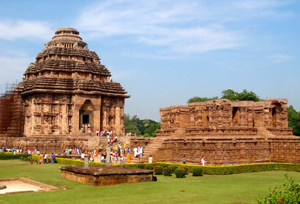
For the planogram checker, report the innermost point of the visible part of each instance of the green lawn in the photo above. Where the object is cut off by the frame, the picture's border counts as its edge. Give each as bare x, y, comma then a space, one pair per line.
239, 188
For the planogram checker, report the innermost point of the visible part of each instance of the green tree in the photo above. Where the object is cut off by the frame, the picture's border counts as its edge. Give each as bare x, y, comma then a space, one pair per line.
231, 95
199, 99
294, 120
145, 127
243, 96
151, 130
131, 124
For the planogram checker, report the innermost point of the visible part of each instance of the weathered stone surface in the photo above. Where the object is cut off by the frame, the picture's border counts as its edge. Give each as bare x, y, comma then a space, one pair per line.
63, 89
99, 176
224, 132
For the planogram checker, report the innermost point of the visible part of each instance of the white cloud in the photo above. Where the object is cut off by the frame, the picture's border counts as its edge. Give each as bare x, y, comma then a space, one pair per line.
280, 58
180, 26
13, 68
31, 30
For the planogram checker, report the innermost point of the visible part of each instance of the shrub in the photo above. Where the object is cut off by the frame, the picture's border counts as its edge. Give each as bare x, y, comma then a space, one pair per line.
158, 170
36, 158
180, 173
141, 165
9, 155
131, 165
185, 168
167, 171
288, 193
148, 166
173, 167
69, 162
26, 158
197, 171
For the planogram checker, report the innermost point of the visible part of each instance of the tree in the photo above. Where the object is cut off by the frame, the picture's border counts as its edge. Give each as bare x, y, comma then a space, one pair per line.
243, 96
145, 127
231, 95
199, 99
294, 120
131, 124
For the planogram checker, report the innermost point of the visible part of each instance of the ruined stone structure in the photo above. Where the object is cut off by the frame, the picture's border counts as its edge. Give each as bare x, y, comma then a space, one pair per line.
224, 132
105, 175
67, 87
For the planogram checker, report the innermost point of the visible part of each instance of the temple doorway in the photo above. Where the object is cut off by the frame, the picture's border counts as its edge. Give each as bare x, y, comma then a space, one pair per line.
235, 116
85, 119
86, 115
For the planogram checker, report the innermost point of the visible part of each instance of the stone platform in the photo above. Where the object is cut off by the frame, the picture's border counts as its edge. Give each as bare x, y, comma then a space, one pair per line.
103, 175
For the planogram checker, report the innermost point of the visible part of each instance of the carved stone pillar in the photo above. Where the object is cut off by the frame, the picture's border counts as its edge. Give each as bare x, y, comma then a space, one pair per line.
118, 125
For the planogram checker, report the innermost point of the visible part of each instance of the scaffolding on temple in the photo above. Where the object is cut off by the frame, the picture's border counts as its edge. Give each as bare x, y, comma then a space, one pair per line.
10, 112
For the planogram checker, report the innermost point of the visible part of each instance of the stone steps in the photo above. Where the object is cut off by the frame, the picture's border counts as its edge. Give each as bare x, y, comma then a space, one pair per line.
150, 149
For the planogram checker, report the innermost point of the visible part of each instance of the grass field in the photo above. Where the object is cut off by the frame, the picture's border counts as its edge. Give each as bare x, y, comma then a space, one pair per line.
239, 188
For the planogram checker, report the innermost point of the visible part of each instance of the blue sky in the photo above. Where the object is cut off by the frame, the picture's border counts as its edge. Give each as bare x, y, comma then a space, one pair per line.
165, 52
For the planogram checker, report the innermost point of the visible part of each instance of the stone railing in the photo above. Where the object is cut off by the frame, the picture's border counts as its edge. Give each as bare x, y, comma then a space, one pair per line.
222, 131
165, 132
281, 131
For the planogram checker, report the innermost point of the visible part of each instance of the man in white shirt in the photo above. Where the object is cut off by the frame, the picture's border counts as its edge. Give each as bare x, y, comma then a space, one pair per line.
135, 151
150, 159
82, 156
203, 161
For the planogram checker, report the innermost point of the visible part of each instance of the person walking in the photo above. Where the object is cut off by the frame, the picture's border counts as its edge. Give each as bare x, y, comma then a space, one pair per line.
150, 159
42, 158
53, 158
82, 156
46, 158
183, 159
203, 161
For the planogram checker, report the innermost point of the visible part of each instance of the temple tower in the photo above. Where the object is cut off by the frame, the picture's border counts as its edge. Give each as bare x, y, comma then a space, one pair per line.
67, 88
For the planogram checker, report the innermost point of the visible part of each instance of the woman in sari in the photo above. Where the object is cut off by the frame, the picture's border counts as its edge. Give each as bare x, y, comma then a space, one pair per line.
42, 158
128, 157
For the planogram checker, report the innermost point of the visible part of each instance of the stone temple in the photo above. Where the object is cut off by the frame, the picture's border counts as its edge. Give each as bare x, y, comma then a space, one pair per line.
67, 87
63, 89
224, 132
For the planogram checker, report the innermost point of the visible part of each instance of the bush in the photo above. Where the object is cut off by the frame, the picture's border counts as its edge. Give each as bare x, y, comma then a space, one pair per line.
36, 158
173, 167
180, 173
288, 193
158, 170
185, 169
149, 166
237, 169
9, 155
197, 171
167, 171
141, 165
26, 158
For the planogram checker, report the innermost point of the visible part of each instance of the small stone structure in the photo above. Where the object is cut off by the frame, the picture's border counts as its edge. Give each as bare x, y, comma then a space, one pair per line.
64, 90
104, 175
224, 132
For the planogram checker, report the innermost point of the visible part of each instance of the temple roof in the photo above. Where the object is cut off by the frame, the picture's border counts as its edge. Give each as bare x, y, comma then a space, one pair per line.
70, 85
66, 64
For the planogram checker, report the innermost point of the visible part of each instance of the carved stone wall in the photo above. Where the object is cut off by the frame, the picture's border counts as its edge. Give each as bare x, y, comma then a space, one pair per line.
225, 117
65, 89
224, 132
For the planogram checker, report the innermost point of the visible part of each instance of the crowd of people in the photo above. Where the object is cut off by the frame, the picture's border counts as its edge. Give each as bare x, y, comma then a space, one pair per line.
117, 151
73, 150
89, 129
86, 127
138, 151
47, 158
13, 150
